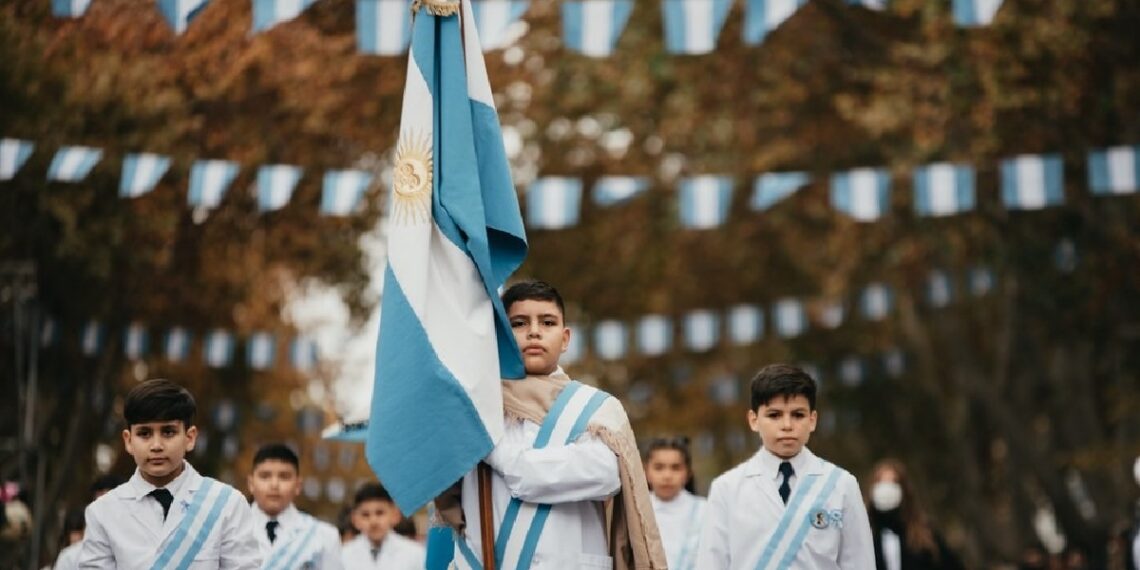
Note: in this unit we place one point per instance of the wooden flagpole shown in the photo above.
(486, 518)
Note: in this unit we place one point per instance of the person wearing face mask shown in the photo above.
(903, 536)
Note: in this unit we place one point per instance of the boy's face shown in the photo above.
(274, 484)
(373, 518)
(785, 424)
(540, 332)
(159, 448)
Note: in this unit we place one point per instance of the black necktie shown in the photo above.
(164, 498)
(785, 488)
(375, 553)
(271, 530)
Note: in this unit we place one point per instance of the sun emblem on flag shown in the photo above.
(411, 180)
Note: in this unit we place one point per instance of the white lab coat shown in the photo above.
(322, 551)
(125, 529)
(680, 521)
(396, 553)
(744, 509)
(574, 478)
(68, 558)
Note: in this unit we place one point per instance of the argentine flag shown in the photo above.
(745, 324)
(218, 348)
(692, 26)
(269, 13)
(862, 193)
(702, 330)
(942, 189)
(342, 191)
(177, 344)
(869, 4)
(705, 201)
(455, 235)
(789, 318)
(178, 13)
(69, 8)
(553, 203)
(141, 172)
(613, 190)
(1032, 181)
(383, 27)
(261, 350)
(1114, 170)
(654, 335)
(610, 340)
(13, 154)
(763, 16)
(209, 180)
(969, 13)
(275, 184)
(73, 163)
(771, 188)
(494, 18)
(135, 341)
(592, 27)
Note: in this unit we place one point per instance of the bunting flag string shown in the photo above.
(69, 8)
(971, 13)
(654, 335)
(693, 26)
(179, 13)
(343, 190)
(1114, 170)
(610, 340)
(705, 201)
(763, 16)
(275, 184)
(209, 180)
(745, 324)
(943, 189)
(592, 27)
(383, 27)
(269, 13)
(1032, 182)
(13, 154)
(772, 188)
(494, 19)
(614, 190)
(553, 202)
(141, 172)
(862, 193)
(73, 163)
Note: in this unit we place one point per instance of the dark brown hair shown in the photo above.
(159, 400)
(919, 534)
(679, 443)
(781, 380)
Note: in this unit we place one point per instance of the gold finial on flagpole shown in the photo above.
(437, 7)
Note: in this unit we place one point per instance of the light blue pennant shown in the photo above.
(209, 180)
(13, 154)
(702, 330)
(73, 163)
(939, 289)
(693, 26)
(862, 193)
(592, 27)
(981, 281)
(972, 13)
(613, 190)
(269, 13)
(218, 348)
(553, 202)
(610, 340)
(141, 172)
(69, 8)
(1032, 181)
(383, 27)
(135, 341)
(261, 349)
(275, 184)
(494, 19)
(763, 16)
(91, 339)
(943, 189)
(1114, 170)
(654, 335)
(851, 371)
(745, 324)
(343, 190)
(773, 187)
(176, 346)
(876, 301)
(705, 201)
(789, 317)
(303, 354)
(179, 13)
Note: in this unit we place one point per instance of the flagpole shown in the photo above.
(486, 520)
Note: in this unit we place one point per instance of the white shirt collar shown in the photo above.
(287, 518)
(766, 464)
(138, 487)
(682, 502)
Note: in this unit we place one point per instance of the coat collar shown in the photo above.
(765, 464)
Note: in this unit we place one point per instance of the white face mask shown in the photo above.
(1136, 470)
(886, 495)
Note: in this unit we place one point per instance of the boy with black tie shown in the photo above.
(288, 537)
(167, 515)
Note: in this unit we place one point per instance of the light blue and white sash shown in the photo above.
(523, 522)
(808, 500)
(202, 514)
(294, 554)
(687, 558)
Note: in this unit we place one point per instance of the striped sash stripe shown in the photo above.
(797, 518)
(190, 520)
(281, 561)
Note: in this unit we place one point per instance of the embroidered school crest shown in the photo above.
(412, 179)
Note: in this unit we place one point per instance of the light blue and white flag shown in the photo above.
(575, 350)
(702, 330)
(269, 13)
(303, 354)
(592, 27)
(763, 16)
(981, 281)
(69, 8)
(49, 332)
(613, 190)
(178, 13)
(13, 154)
(869, 4)
(939, 289)
(831, 314)
(91, 338)
(456, 235)
(1032, 181)
(209, 180)
(610, 340)
(969, 13)
(705, 201)
(862, 193)
(773, 187)
(1113, 170)
(745, 324)
(654, 335)
(141, 172)
(876, 301)
(693, 26)
(342, 191)
(218, 348)
(553, 202)
(73, 163)
(894, 363)
(261, 350)
(135, 341)
(789, 318)
(495, 18)
(383, 27)
(275, 184)
(851, 371)
(943, 189)
(176, 346)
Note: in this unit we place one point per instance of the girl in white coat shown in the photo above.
(679, 512)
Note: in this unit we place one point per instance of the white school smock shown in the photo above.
(680, 521)
(68, 558)
(321, 551)
(125, 529)
(396, 553)
(574, 478)
(744, 508)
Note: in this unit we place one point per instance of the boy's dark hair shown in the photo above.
(371, 492)
(344, 522)
(782, 380)
(532, 291)
(105, 483)
(276, 452)
(159, 400)
(678, 443)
